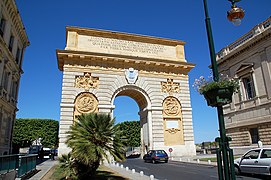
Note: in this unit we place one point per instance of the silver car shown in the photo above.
(255, 161)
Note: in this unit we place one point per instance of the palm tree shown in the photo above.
(92, 138)
(67, 166)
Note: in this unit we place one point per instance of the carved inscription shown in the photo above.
(124, 45)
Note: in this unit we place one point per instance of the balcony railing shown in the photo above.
(257, 30)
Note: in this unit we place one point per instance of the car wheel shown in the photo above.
(237, 170)
(153, 161)
(166, 161)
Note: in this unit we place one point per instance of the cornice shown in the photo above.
(63, 55)
(124, 36)
(16, 19)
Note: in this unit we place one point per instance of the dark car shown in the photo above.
(155, 156)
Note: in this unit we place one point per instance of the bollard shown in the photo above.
(141, 173)
(180, 159)
(152, 177)
(121, 166)
(209, 161)
(188, 160)
(117, 164)
(133, 171)
(198, 160)
(172, 158)
(127, 168)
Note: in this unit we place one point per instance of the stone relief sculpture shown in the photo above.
(170, 86)
(86, 81)
(173, 130)
(171, 106)
(86, 103)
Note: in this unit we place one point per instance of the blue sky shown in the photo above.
(45, 22)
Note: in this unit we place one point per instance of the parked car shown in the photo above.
(155, 156)
(255, 161)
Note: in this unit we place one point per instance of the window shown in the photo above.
(14, 89)
(254, 135)
(11, 41)
(2, 26)
(266, 153)
(18, 55)
(5, 80)
(254, 154)
(248, 87)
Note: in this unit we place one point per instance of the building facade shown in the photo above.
(248, 117)
(99, 66)
(13, 41)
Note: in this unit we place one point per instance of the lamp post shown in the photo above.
(224, 153)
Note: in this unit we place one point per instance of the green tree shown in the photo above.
(131, 130)
(91, 138)
(27, 130)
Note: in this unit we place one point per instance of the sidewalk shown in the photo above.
(43, 168)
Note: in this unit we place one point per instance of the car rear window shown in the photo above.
(160, 152)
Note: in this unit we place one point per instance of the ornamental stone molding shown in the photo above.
(171, 106)
(173, 130)
(170, 86)
(86, 103)
(86, 81)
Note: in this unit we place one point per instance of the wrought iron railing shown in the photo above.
(23, 164)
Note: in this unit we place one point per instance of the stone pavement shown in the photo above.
(43, 168)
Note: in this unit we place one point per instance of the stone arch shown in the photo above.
(144, 103)
(147, 69)
(136, 93)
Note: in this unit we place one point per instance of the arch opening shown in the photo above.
(135, 96)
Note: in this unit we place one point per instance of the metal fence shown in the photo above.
(23, 164)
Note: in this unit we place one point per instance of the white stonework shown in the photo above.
(248, 117)
(107, 56)
(11, 59)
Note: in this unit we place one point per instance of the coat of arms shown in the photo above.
(131, 75)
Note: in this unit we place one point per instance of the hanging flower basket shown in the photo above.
(219, 96)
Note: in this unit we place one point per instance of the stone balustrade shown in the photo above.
(257, 30)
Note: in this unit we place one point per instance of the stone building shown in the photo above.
(13, 41)
(100, 65)
(248, 117)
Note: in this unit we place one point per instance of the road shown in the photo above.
(174, 170)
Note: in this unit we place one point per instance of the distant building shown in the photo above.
(248, 117)
(13, 41)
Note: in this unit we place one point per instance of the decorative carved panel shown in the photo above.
(173, 130)
(171, 106)
(86, 81)
(86, 103)
(170, 86)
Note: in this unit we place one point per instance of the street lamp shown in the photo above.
(227, 170)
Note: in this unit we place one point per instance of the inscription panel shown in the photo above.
(125, 47)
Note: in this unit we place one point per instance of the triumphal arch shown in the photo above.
(100, 65)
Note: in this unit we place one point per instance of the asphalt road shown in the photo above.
(174, 170)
